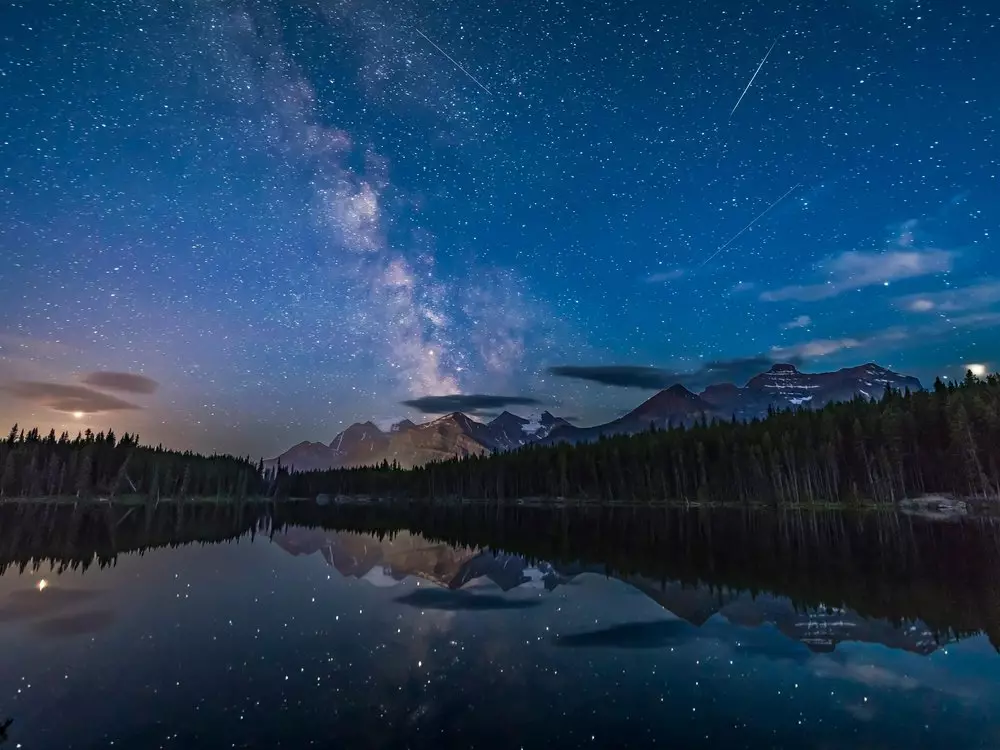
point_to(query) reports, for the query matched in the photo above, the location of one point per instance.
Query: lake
(418, 626)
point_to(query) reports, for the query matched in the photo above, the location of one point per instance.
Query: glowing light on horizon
(78, 415)
(979, 370)
(42, 585)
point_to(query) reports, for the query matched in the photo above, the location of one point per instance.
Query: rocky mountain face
(455, 435)
(672, 407)
(784, 387)
(409, 444)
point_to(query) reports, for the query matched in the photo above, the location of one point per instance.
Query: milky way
(288, 216)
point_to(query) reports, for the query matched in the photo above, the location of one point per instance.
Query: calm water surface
(431, 628)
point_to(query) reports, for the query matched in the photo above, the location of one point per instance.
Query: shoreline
(934, 505)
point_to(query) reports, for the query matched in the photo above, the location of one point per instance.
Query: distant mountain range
(456, 435)
(389, 561)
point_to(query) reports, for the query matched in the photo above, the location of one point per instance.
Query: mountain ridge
(452, 435)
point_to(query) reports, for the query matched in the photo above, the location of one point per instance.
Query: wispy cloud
(67, 398)
(905, 233)
(661, 277)
(802, 321)
(856, 270)
(974, 297)
(815, 348)
(126, 382)
(889, 338)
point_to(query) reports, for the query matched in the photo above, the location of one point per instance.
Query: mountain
(822, 628)
(671, 407)
(509, 431)
(785, 387)
(360, 444)
(447, 437)
(409, 444)
(305, 456)
(456, 435)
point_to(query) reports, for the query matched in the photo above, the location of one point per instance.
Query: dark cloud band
(67, 398)
(655, 378)
(620, 376)
(467, 403)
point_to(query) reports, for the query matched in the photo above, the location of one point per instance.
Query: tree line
(102, 464)
(944, 440)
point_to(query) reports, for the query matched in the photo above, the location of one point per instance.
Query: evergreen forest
(944, 440)
(104, 465)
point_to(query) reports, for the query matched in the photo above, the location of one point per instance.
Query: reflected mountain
(820, 578)
(406, 554)
(375, 559)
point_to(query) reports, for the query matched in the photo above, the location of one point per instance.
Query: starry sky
(234, 225)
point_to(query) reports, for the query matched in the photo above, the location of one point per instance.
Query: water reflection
(216, 625)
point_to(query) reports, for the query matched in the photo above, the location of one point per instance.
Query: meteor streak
(759, 216)
(751, 78)
(455, 62)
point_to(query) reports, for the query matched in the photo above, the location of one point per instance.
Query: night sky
(289, 216)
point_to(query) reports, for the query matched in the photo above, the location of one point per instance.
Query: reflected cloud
(28, 604)
(453, 601)
(865, 674)
(632, 635)
(81, 623)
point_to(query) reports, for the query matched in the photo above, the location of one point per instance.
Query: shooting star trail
(454, 62)
(751, 78)
(759, 216)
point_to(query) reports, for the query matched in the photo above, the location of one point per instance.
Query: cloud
(121, 381)
(620, 376)
(855, 270)
(742, 286)
(455, 601)
(905, 233)
(467, 403)
(815, 348)
(29, 604)
(81, 623)
(869, 675)
(656, 634)
(919, 305)
(665, 276)
(67, 398)
(654, 378)
(803, 321)
(973, 297)
(890, 338)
